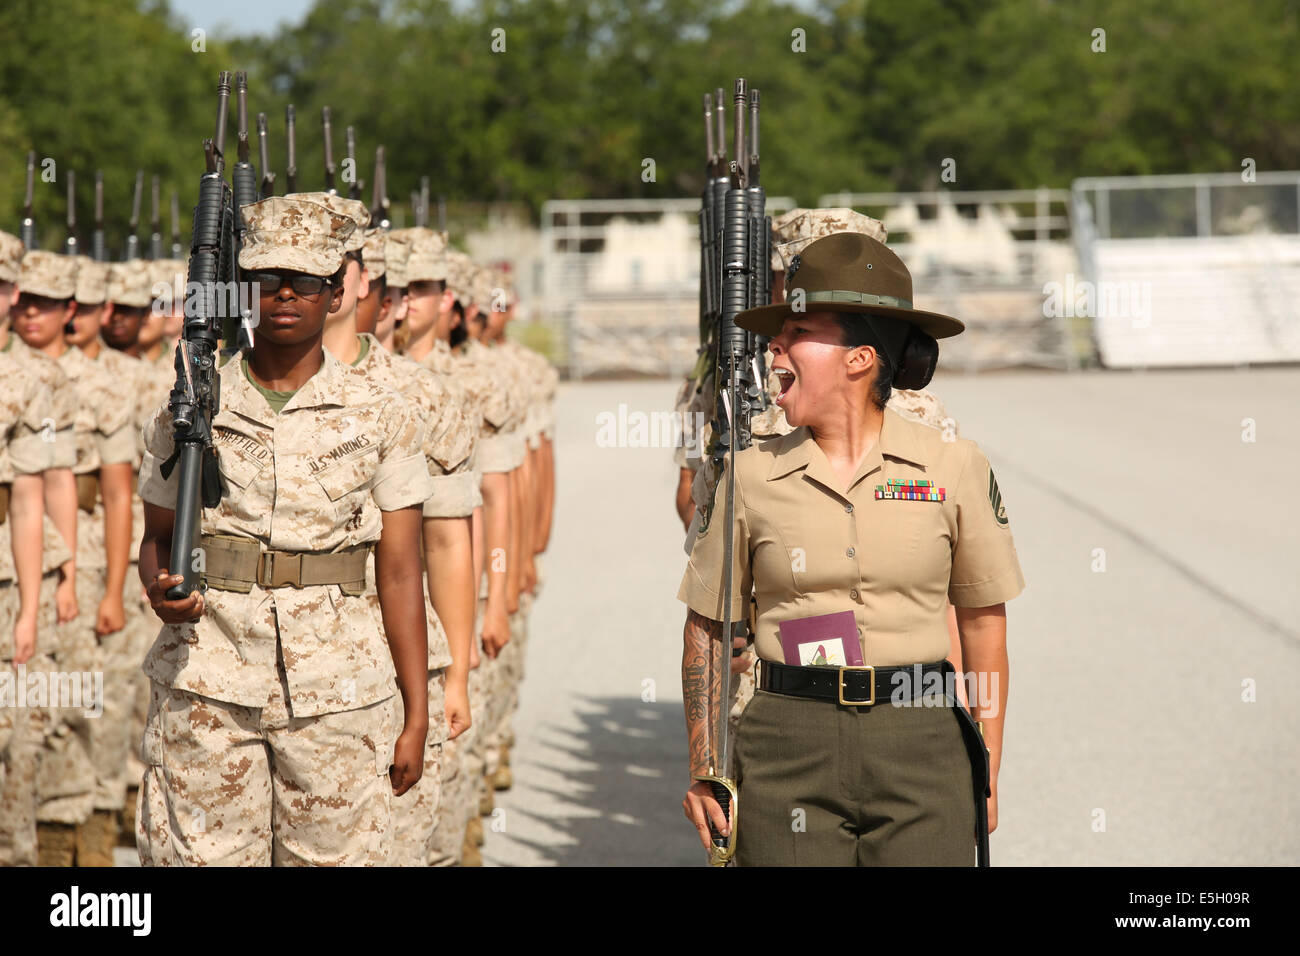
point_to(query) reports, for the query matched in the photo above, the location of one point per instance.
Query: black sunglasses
(270, 283)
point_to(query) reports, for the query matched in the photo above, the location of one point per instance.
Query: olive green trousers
(823, 784)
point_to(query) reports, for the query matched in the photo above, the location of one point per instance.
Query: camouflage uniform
(449, 445)
(454, 808)
(62, 771)
(273, 718)
(102, 383)
(25, 404)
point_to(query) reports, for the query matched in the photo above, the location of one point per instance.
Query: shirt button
(854, 594)
(849, 552)
(848, 509)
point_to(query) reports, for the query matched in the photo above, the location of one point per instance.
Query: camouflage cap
(296, 234)
(460, 275)
(397, 251)
(428, 260)
(170, 272)
(92, 281)
(374, 252)
(353, 210)
(130, 283)
(795, 230)
(48, 274)
(11, 256)
(482, 287)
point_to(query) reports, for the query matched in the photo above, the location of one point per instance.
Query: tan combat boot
(469, 854)
(126, 834)
(96, 839)
(56, 844)
(486, 804)
(503, 779)
(474, 832)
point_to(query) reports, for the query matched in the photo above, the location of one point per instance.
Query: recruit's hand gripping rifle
(738, 260)
(195, 397)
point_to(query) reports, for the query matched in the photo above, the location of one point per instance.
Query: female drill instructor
(837, 517)
(272, 722)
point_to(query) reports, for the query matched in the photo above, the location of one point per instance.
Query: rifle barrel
(740, 102)
(329, 148)
(709, 149)
(354, 191)
(223, 99)
(70, 245)
(241, 113)
(291, 169)
(28, 228)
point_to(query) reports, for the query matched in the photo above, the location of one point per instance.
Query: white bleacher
(1227, 300)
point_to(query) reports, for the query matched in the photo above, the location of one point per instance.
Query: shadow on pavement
(618, 780)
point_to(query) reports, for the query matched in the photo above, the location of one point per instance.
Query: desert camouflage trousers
(415, 813)
(243, 786)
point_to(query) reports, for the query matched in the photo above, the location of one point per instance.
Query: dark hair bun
(920, 356)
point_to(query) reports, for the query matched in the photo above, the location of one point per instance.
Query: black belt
(851, 686)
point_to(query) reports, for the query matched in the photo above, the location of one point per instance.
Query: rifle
(176, 227)
(28, 228)
(736, 399)
(155, 221)
(329, 150)
(379, 199)
(268, 177)
(98, 247)
(243, 179)
(132, 239)
(70, 244)
(291, 168)
(424, 201)
(354, 192)
(195, 398)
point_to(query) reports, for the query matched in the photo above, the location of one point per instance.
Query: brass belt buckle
(871, 683)
(275, 569)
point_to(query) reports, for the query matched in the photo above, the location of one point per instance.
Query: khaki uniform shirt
(805, 548)
(313, 478)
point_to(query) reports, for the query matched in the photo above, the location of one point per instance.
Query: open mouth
(785, 379)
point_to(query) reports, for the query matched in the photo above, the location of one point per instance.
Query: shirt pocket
(238, 468)
(347, 482)
(908, 546)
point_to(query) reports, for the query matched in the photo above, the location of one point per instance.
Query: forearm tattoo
(701, 685)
